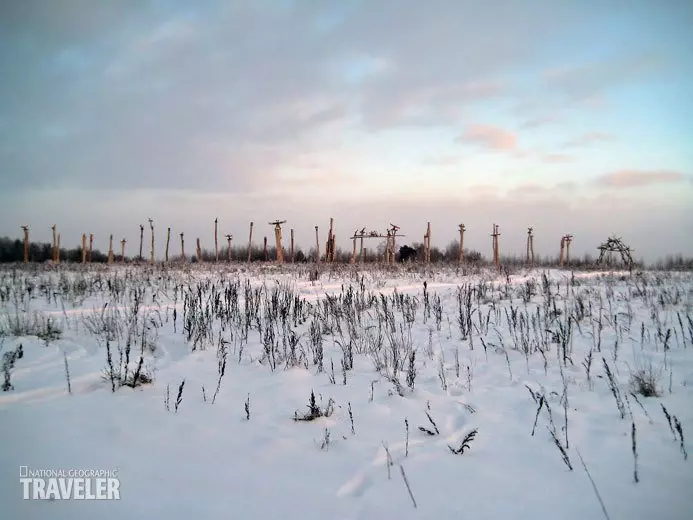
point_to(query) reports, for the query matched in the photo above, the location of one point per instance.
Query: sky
(567, 116)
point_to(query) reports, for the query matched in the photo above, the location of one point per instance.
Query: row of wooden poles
(330, 249)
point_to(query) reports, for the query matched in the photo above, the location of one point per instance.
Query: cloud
(489, 136)
(588, 139)
(557, 158)
(537, 122)
(588, 81)
(639, 178)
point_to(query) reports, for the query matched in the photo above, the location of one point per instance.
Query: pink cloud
(489, 136)
(636, 178)
(557, 158)
(590, 138)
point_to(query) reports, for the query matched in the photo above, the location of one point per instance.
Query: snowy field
(436, 394)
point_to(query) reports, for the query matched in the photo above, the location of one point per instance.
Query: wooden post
(353, 253)
(168, 240)
(110, 249)
(264, 249)
(26, 244)
(393, 247)
(55, 245)
(250, 241)
(317, 246)
(361, 252)
(386, 258)
(228, 252)
(293, 258)
(199, 252)
(151, 253)
(530, 246)
(84, 248)
(91, 246)
(122, 250)
(57, 252)
(427, 244)
(216, 242)
(496, 251)
(461, 257)
(182, 247)
(141, 240)
(329, 249)
(278, 239)
(569, 240)
(560, 256)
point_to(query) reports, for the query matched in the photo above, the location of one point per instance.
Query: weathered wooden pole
(228, 252)
(293, 257)
(394, 246)
(26, 244)
(264, 249)
(122, 250)
(427, 242)
(250, 241)
(182, 247)
(317, 246)
(55, 245)
(91, 246)
(199, 251)
(84, 248)
(568, 241)
(461, 256)
(141, 240)
(530, 246)
(560, 257)
(361, 251)
(110, 249)
(329, 249)
(216, 242)
(278, 239)
(496, 251)
(57, 252)
(168, 240)
(386, 258)
(151, 253)
(353, 253)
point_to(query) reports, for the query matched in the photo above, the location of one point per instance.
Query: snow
(209, 461)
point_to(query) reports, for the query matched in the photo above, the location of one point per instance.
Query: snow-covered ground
(503, 356)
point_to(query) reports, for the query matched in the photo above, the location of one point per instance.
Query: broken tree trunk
(228, 251)
(264, 249)
(460, 259)
(293, 258)
(122, 250)
(168, 240)
(199, 251)
(182, 246)
(84, 248)
(91, 247)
